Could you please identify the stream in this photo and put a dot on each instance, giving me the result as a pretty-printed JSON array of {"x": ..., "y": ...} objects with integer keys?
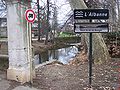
[{"x": 63, "y": 55}]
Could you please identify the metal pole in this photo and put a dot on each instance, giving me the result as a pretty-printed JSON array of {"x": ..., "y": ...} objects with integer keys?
[
  {"x": 29, "y": 34},
  {"x": 30, "y": 45},
  {"x": 90, "y": 52},
  {"x": 90, "y": 58},
  {"x": 29, "y": 49},
  {"x": 38, "y": 20}
]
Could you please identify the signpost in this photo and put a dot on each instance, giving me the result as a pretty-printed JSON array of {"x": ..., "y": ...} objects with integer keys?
[
  {"x": 91, "y": 14},
  {"x": 30, "y": 17},
  {"x": 90, "y": 27}
]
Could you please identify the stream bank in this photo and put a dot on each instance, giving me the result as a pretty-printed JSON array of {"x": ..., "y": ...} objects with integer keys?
[{"x": 64, "y": 55}]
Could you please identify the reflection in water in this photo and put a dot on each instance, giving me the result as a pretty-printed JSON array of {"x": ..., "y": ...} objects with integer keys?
[
  {"x": 44, "y": 56},
  {"x": 64, "y": 55}
]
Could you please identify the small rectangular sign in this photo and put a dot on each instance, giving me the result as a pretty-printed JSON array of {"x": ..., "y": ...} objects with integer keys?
[
  {"x": 91, "y": 27},
  {"x": 91, "y": 14}
]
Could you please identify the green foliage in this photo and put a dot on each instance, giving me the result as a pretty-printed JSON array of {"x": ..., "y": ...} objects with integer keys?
[
  {"x": 113, "y": 34},
  {"x": 66, "y": 34},
  {"x": 4, "y": 63}
]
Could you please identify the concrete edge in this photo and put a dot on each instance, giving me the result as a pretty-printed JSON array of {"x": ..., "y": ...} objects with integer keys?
[{"x": 45, "y": 63}]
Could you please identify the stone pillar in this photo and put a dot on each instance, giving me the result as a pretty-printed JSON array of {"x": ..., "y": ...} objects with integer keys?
[{"x": 19, "y": 68}]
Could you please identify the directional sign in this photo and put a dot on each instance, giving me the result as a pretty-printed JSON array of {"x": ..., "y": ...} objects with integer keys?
[
  {"x": 91, "y": 14},
  {"x": 30, "y": 15},
  {"x": 91, "y": 27}
]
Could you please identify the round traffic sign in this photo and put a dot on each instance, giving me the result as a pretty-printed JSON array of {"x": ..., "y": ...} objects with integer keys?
[{"x": 30, "y": 15}]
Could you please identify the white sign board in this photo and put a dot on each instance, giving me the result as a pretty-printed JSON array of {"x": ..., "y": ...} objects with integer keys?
[{"x": 91, "y": 27}]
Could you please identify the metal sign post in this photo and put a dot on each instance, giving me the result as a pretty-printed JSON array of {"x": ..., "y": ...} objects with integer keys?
[
  {"x": 30, "y": 17},
  {"x": 29, "y": 49},
  {"x": 90, "y": 28},
  {"x": 90, "y": 57},
  {"x": 28, "y": 44},
  {"x": 31, "y": 65}
]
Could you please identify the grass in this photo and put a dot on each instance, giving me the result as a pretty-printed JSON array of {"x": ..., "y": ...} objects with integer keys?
[{"x": 4, "y": 63}]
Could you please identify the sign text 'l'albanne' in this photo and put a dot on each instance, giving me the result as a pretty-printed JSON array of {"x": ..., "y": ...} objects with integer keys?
[{"x": 91, "y": 14}]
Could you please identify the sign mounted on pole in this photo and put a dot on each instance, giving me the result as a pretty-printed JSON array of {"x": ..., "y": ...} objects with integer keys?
[
  {"x": 91, "y": 14},
  {"x": 30, "y": 15},
  {"x": 91, "y": 27}
]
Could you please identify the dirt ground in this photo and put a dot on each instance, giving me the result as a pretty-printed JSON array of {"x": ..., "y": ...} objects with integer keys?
[
  {"x": 68, "y": 77},
  {"x": 75, "y": 77}
]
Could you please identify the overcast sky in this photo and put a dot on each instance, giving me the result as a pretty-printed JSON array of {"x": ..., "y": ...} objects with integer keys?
[{"x": 63, "y": 8}]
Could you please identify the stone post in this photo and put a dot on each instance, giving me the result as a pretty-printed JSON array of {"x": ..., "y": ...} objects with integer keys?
[{"x": 19, "y": 66}]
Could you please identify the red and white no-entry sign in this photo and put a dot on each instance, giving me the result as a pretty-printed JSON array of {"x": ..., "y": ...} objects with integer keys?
[{"x": 30, "y": 15}]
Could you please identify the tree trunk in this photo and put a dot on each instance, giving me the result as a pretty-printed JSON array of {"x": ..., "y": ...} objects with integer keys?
[{"x": 100, "y": 52}]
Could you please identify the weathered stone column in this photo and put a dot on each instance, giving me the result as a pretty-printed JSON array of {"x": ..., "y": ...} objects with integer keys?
[{"x": 17, "y": 42}]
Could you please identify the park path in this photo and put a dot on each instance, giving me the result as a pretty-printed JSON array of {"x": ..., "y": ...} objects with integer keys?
[{"x": 75, "y": 77}]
